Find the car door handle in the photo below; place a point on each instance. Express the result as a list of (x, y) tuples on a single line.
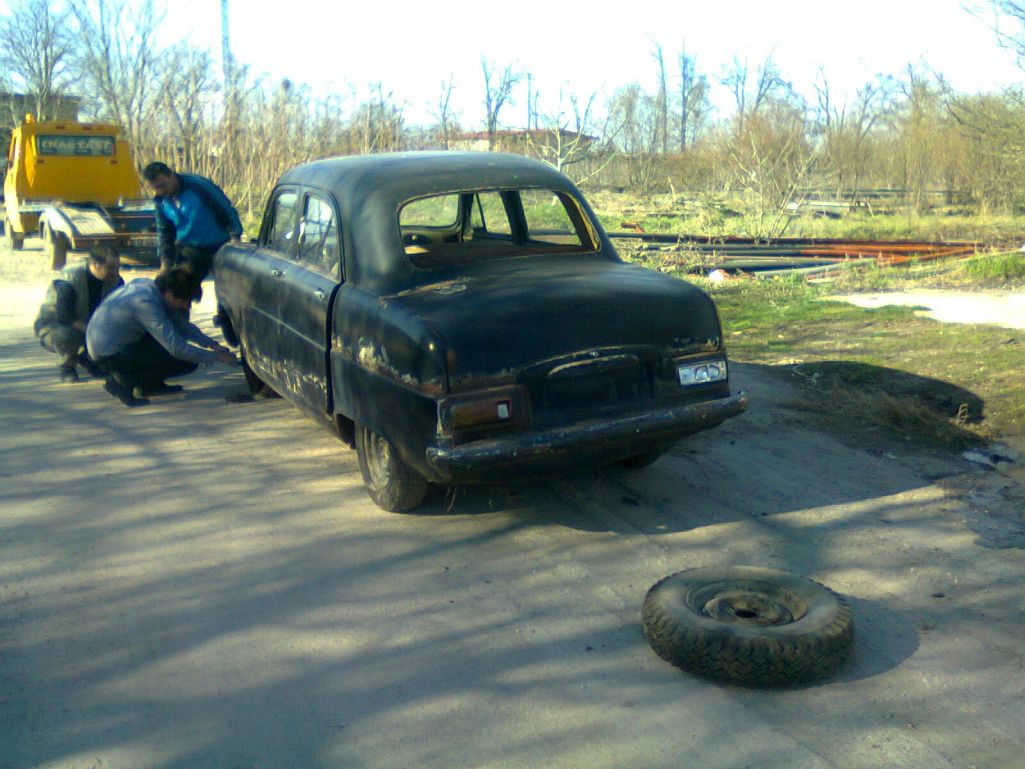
[(276, 273), (320, 295)]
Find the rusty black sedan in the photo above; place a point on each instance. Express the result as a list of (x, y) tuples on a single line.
[(464, 318)]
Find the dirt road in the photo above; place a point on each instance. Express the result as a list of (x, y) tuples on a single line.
[(201, 583)]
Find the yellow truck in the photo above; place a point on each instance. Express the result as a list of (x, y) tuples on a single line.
[(75, 185)]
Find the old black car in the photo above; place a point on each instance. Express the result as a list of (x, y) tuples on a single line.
[(463, 318)]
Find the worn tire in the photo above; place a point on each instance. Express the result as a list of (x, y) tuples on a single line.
[(256, 386), (637, 461), (55, 246), (747, 625), (391, 483)]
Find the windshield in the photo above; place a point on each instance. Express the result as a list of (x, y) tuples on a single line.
[(466, 227)]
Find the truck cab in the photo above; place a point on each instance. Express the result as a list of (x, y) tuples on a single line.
[(74, 184)]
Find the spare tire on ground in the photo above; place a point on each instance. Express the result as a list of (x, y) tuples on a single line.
[(748, 625)]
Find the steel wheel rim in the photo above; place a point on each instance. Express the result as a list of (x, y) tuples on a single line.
[(749, 603), (379, 459)]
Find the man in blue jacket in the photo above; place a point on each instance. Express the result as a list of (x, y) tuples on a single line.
[(194, 218), (140, 336)]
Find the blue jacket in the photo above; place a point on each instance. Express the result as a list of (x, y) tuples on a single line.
[(137, 309), (200, 215)]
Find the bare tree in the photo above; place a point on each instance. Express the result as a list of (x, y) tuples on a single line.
[(769, 84), (35, 50), (917, 155), (567, 138), (845, 130), (186, 98), (118, 59), (376, 125), (693, 100), (496, 95), (443, 112), (661, 102), (1007, 20), (633, 122)]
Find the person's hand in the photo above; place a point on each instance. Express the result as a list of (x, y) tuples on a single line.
[(225, 356)]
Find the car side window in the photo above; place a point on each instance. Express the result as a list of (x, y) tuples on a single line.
[(283, 229), (548, 219), (489, 215), (318, 236)]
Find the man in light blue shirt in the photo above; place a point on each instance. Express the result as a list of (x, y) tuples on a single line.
[(194, 218), (140, 336)]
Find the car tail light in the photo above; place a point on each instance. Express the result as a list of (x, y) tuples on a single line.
[(701, 372), (491, 408)]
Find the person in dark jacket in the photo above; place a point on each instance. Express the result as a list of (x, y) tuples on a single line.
[(70, 302), (140, 336), (194, 218)]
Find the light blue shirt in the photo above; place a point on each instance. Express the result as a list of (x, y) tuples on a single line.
[(137, 309)]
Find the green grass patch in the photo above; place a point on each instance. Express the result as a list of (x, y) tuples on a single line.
[(940, 384), (1000, 269), (721, 216)]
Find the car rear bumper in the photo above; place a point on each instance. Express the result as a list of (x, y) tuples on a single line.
[(577, 446)]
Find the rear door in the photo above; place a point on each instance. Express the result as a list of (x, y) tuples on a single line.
[(306, 290)]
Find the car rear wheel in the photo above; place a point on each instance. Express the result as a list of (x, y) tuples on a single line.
[(391, 483), (748, 625)]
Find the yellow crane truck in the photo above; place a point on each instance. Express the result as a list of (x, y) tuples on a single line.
[(75, 185)]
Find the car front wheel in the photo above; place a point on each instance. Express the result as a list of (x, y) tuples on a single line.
[(391, 483), (257, 387)]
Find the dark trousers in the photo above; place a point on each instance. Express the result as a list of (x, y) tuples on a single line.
[(63, 340), (144, 364), (199, 261)]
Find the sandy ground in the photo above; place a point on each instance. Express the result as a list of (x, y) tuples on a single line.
[(201, 583), (996, 308)]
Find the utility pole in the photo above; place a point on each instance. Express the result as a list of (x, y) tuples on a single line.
[(227, 64)]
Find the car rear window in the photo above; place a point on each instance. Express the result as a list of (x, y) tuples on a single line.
[(473, 226)]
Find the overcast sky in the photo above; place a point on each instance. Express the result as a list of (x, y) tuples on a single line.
[(411, 47)]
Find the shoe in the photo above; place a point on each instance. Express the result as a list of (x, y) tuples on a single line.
[(160, 388), (69, 375), (123, 394), (89, 365)]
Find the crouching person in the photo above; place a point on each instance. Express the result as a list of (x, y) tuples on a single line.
[(70, 302), (141, 336)]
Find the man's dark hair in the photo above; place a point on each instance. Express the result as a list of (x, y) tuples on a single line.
[(155, 169), (180, 282), (102, 253)]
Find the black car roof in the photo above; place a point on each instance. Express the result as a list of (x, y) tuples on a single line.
[(402, 175), (370, 189)]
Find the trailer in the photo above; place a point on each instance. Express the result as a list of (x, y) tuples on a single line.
[(75, 186)]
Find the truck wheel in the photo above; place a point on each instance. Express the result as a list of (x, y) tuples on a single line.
[(391, 483), (55, 245), (748, 625), (12, 239)]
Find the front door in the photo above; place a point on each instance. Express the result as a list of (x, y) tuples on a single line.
[(306, 291)]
